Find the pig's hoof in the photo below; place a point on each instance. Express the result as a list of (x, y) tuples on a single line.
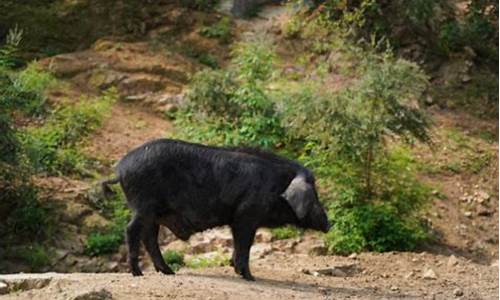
[(248, 277), (137, 273), (166, 271)]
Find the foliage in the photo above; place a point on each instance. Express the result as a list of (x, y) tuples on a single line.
[(389, 221), (221, 30), (174, 259), (356, 122), (23, 215), (36, 256), (53, 147), (233, 106), (200, 261), (435, 22), (9, 51), (286, 232), (291, 28), (102, 243), (109, 240)]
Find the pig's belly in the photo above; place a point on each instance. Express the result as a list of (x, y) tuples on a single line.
[(184, 225)]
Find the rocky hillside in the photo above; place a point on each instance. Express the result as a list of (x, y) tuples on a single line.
[(150, 76)]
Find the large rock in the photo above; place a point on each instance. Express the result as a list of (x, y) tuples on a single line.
[(101, 294), (4, 288), (25, 282), (311, 246)]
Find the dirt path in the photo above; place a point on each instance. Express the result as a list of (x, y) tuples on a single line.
[(281, 276)]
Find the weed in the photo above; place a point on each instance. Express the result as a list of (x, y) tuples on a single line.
[(287, 232), (174, 259), (200, 261), (292, 28), (36, 256), (220, 30), (102, 243)]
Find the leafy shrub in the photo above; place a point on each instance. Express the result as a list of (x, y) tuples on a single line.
[(174, 259), (233, 107), (286, 232), (389, 220), (102, 243), (208, 60), (450, 37), (9, 51), (220, 30), (372, 197), (23, 217), (36, 256), (355, 122)]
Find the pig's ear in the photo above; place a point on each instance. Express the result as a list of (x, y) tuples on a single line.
[(299, 194)]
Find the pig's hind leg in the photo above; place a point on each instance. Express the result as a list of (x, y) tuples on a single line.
[(133, 233), (150, 240), (243, 236)]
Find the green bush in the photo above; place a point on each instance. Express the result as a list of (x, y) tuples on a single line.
[(220, 30), (286, 232), (10, 50), (36, 256), (174, 259), (233, 107), (103, 243), (23, 217), (389, 220)]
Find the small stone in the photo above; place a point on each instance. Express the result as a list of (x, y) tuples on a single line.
[(484, 212), (353, 255), (112, 266), (468, 214), (458, 292), (482, 196), (263, 236), (466, 78), (452, 261), (409, 275), (394, 288), (4, 288), (470, 52), (430, 274), (494, 264), (429, 101)]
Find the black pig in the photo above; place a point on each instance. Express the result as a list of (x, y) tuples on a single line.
[(190, 187)]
